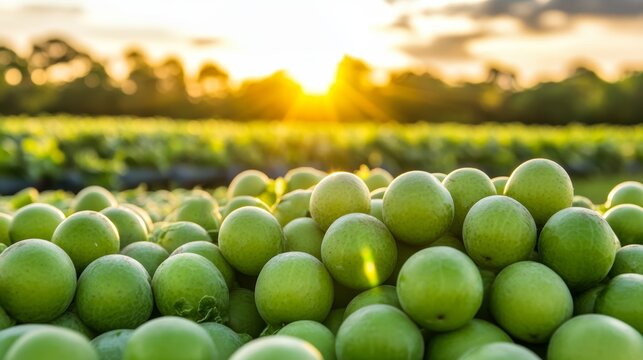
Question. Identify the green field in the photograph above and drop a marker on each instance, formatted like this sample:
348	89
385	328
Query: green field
71	152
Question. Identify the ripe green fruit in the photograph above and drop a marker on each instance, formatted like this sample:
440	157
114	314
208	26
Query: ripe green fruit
499	183
488	277
277	347
5	320
378	193
211	252
440	288
466	186
628	192
70	320
170	338
359	251
5	223
626	222
303	235
114	293
24	197
292	206
383	294
440	176
585	302
622	299
530	301
595	337
249	182
199	210
376	209
334	320
314	333
293	286
190	286
174	235
37	281
500	351
377	178
453	344
94	198
379	332
149	224
579	245
244	316
499	231
542	186
248	238
85	236
302	178
629	259
111	345
336	195
581	201
52	344
131	227
225	340
241	201
450	241
417	209
35	221
147	253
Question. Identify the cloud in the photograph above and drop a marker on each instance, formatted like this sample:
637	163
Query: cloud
402	22
445	47
50	9
530	11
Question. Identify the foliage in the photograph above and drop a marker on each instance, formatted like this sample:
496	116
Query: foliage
70	152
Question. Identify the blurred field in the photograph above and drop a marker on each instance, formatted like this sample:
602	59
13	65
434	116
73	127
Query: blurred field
119	152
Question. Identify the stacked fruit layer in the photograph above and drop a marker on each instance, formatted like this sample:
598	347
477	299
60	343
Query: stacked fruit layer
68	152
326	266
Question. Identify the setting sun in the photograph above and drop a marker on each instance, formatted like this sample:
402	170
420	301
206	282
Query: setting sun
316	76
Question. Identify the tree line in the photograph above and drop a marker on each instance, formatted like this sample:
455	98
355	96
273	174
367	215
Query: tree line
56	77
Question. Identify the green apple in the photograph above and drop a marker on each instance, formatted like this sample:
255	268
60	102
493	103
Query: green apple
249	182
302	178
378	193
131	227
585	302
379	332
249	237
579	245
453	344
303	234
376	208
628	192
499	183
530	301
417	209
629	259
622	299
241	201
293	286
35	221
581	201
336	195
500	351
314	333
466	186
595	337
280	347
359	251
383	294
94	198
440	288
499	231
626	220
293	205
542	186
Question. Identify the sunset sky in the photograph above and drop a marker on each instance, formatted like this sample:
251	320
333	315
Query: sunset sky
252	38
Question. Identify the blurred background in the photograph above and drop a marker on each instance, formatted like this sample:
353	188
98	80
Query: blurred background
120	93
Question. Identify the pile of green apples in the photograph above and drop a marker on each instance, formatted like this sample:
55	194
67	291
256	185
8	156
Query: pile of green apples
326	266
